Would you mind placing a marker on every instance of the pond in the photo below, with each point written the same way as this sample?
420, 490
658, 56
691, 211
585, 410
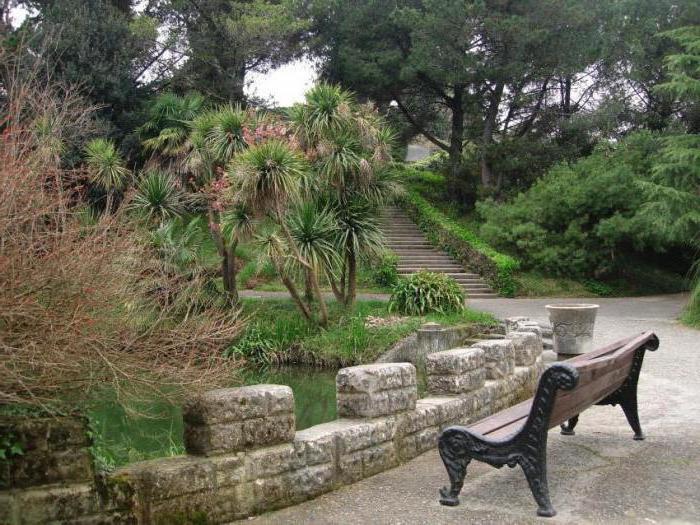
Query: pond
153, 427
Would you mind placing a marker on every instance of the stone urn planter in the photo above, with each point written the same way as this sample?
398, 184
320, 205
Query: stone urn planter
572, 327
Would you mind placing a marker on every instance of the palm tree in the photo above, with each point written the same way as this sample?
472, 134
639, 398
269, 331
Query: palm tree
166, 133
358, 235
269, 178
106, 167
314, 231
351, 147
157, 196
234, 225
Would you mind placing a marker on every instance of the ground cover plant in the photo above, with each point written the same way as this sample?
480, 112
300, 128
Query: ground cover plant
277, 335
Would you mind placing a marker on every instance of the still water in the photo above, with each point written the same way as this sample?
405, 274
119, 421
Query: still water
153, 427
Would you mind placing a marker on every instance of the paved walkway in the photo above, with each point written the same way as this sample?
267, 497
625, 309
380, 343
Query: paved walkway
600, 475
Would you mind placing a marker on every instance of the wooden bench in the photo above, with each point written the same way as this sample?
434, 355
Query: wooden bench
518, 435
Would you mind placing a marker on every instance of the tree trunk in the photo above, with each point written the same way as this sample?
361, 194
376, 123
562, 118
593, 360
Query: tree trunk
322, 309
352, 276
308, 287
229, 272
456, 139
295, 296
339, 295
487, 179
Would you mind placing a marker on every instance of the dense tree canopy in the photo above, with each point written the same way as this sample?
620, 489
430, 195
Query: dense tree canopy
513, 78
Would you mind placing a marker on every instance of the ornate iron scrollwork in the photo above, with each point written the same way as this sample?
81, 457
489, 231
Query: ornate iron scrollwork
527, 447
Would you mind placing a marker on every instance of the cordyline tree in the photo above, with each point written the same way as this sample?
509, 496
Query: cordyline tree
193, 144
349, 147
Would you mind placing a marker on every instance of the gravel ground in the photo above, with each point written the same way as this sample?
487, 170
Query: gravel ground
600, 475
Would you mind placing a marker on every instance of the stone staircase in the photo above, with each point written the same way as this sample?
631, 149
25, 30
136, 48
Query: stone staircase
415, 253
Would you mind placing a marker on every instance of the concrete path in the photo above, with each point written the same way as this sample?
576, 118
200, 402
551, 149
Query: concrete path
416, 152
600, 475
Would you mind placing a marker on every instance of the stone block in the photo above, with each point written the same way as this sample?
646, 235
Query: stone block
229, 470
224, 505
376, 390
455, 361
426, 414
47, 466
511, 323
238, 404
56, 503
527, 346
162, 479
271, 461
499, 357
318, 443
415, 444
235, 419
357, 435
456, 384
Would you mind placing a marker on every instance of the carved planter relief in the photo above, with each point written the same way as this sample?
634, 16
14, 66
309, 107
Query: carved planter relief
572, 327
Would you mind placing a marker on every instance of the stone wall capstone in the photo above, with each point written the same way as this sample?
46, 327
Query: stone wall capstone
456, 371
376, 390
234, 419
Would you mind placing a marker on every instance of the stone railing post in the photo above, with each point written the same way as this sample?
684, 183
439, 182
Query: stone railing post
454, 372
235, 419
499, 357
369, 391
527, 347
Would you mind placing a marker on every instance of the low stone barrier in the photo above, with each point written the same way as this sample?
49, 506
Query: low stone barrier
244, 456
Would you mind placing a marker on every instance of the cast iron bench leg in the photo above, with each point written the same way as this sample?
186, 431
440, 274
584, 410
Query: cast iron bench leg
626, 395
567, 429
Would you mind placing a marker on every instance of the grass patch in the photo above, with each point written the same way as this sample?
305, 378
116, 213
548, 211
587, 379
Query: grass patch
276, 333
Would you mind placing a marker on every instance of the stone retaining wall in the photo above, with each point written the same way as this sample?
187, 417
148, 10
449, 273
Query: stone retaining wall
244, 458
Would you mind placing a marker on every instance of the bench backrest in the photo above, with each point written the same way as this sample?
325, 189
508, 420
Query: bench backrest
600, 374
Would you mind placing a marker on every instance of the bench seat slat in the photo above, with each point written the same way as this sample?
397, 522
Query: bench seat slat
504, 418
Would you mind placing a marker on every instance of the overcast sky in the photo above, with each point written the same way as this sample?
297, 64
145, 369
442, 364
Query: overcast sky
279, 87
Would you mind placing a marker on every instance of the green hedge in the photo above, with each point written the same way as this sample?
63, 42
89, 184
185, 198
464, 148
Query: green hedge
463, 244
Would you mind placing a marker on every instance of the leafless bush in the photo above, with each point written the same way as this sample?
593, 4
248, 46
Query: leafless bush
75, 313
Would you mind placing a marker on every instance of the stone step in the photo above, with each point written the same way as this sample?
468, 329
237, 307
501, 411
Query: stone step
482, 296
413, 238
432, 267
416, 253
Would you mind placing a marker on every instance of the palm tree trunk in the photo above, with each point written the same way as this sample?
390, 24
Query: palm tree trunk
295, 296
339, 295
303, 308
322, 308
352, 277
108, 203
229, 272
308, 287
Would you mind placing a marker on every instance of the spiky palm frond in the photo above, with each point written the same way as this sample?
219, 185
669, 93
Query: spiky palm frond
383, 188
179, 244
340, 159
225, 139
157, 196
314, 231
237, 223
268, 177
106, 165
358, 226
327, 109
